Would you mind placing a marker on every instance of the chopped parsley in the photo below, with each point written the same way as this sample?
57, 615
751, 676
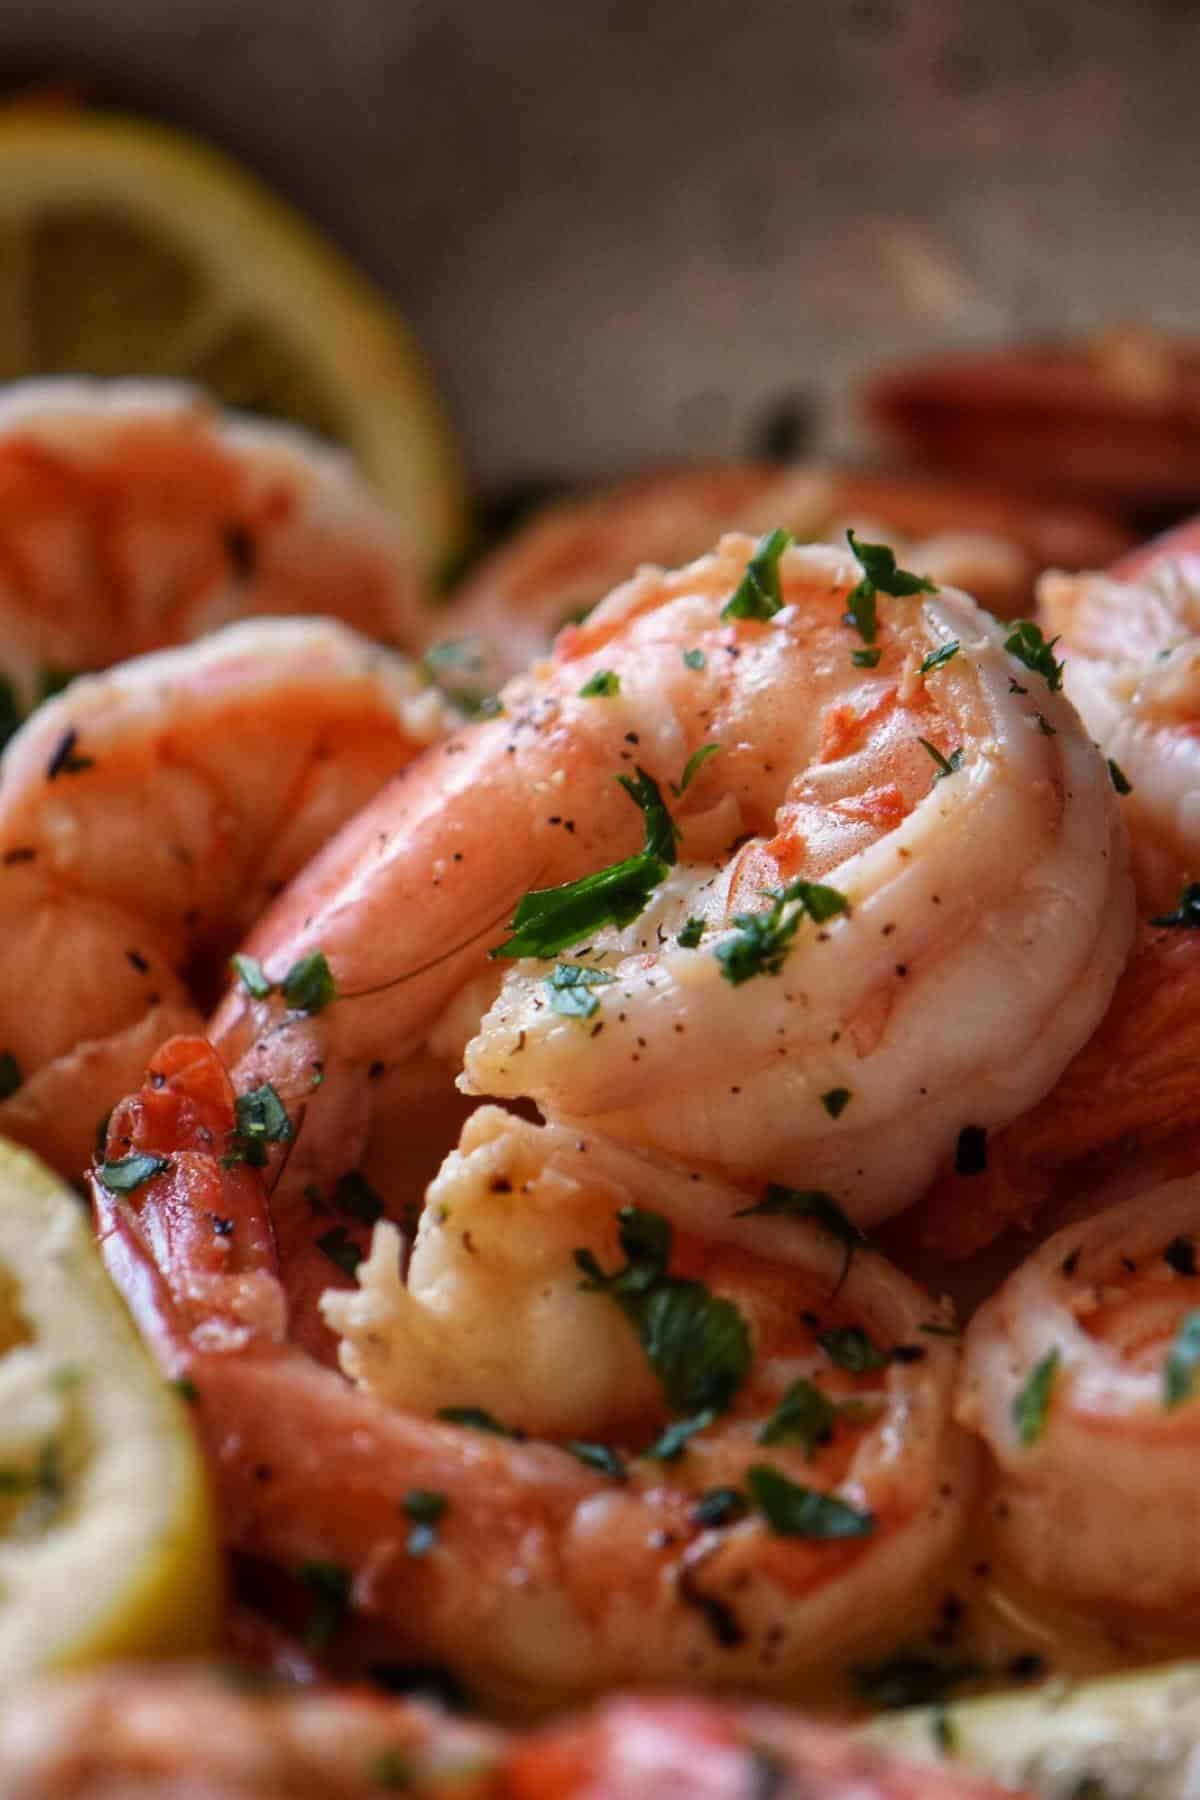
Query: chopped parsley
330, 1582
836, 1100
252, 976
697, 1343
600, 686
342, 1251
720, 1506
866, 659
1179, 1371
187, 1390
937, 659
794, 1511
551, 919
10, 1074
260, 1118
309, 986
1118, 777
691, 934
694, 659
1026, 643
1187, 910
760, 941
692, 767
759, 594
848, 1347
601, 1457
129, 1172
1031, 1405
804, 1416
569, 986
674, 1439
912, 1678
815, 1204
946, 765
880, 576
425, 1507
354, 1195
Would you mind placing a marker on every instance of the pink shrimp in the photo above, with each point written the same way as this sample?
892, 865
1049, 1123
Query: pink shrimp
781, 1530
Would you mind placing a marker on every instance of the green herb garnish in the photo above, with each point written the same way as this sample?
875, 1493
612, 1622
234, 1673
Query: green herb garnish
848, 1347
354, 1195
691, 934
569, 988
475, 1418
1119, 779
674, 1439
694, 659
342, 1251
600, 686
794, 1511
946, 765
761, 941
601, 1457
1179, 1371
880, 576
1187, 911
1026, 643
759, 594
425, 1507
129, 1172
309, 985
937, 659
692, 767
252, 976
551, 919
815, 1204
260, 1118
1031, 1406
804, 1416
330, 1582
836, 1100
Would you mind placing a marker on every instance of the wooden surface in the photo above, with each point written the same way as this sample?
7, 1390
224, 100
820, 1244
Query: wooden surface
627, 229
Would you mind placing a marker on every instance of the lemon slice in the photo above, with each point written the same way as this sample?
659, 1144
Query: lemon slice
107, 1545
130, 249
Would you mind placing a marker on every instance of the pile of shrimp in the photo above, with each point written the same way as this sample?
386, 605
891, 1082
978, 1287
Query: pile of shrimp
812, 928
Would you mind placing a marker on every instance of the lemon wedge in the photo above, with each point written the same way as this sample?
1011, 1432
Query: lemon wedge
127, 248
107, 1543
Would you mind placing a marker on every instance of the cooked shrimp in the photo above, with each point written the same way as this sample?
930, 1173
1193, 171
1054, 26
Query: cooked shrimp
987, 541
135, 515
146, 816
1079, 1375
812, 1488
972, 915
1115, 418
1131, 644
163, 1735
674, 1749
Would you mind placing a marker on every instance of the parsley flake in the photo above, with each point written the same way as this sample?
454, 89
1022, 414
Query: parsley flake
815, 1204
674, 1439
1119, 779
252, 976
804, 1416
794, 1511
475, 1418
354, 1195
1031, 1405
759, 594
848, 1347
692, 767
1187, 911
260, 1118
691, 934
760, 941
600, 686
1026, 643
1179, 1371
866, 659
836, 1100
880, 576
601, 1457
569, 987
694, 659
309, 986
552, 919
946, 765
912, 1678
697, 1343
720, 1506
129, 1172
937, 659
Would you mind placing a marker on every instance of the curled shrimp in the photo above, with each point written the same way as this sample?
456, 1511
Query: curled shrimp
559, 566
146, 816
192, 1732
1079, 1375
135, 515
971, 899
162, 1734
1131, 644
784, 1524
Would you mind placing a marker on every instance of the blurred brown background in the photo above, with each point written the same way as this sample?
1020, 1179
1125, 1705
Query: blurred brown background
631, 231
